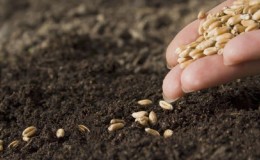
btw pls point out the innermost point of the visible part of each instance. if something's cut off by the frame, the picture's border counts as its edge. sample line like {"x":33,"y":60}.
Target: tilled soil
{"x":86,"y":62}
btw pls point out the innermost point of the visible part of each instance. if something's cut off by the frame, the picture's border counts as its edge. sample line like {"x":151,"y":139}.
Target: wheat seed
{"x":112,"y":121}
{"x":210,"y":51}
{"x":185,"y":64}
{"x":144,"y":102}
{"x":115,"y":126}
{"x":139,"y":114}
{"x":82,"y":128}
{"x":167,"y":133}
{"x":165,"y":105}
{"x":29,"y":131}
{"x":13,"y":144}
{"x":1,"y":145}
{"x":26,"y":139}
{"x":202,"y":15}
{"x":152,"y":132}
{"x":252,"y":27}
{"x":60,"y":133}
{"x":142,"y":120}
{"x":152,"y":118}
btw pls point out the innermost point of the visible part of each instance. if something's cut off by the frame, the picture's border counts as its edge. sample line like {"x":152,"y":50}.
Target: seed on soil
{"x":13,"y":144}
{"x":145,"y":102}
{"x":26,"y":139}
{"x":152,"y":132}
{"x":29,"y":131}
{"x":142,"y":120}
{"x":165,"y":105}
{"x":60,"y":133}
{"x":153,"y":118}
{"x":82,"y":128}
{"x":1,"y":142}
{"x":1,"y":145}
{"x":112,"y":121}
{"x":115,"y":126}
{"x":139,"y":114}
{"x":167,"y":133}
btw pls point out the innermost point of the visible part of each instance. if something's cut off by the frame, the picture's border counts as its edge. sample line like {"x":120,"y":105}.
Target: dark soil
{"x":86,"y":62}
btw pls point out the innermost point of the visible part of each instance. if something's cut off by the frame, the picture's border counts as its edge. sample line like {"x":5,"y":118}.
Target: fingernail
{"x":169,"y":100}
{"x":187,"y":91}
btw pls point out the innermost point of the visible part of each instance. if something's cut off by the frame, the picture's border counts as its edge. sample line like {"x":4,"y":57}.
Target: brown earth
{"x":86,"y":62}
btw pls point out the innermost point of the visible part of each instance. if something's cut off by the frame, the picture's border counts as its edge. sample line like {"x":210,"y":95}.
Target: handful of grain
{"x":217,"y":29}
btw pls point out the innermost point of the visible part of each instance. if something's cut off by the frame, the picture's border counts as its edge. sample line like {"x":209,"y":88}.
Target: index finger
{"x":187,"y":35}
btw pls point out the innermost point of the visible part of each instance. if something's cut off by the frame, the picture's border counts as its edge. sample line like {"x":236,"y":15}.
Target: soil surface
{"x":86,"y":62}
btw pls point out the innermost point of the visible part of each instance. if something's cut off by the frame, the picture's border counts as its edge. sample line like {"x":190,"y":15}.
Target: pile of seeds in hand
{"x":144,"y":119}
{"x":217,"y":29}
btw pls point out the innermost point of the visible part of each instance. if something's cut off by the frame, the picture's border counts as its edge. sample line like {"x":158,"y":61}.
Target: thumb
{"x":243,"y":48}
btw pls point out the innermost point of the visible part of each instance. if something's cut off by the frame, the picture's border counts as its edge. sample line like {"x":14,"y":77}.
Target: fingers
{"x":243,"y":48}
{"x":172,"y":89}
{"x":187,"y":35}
{"x":211,"y":71}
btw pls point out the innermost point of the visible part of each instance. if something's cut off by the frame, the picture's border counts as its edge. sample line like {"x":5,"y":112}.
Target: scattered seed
{"x":1,"y":145}
{"x":139,"y":114}
{"x":60,"y":133}
{"x":152,"y":132}
{"x":29,"y":131}
{"x":112,"y":121}
{"x":145,"y":102}
{"x":142,"y":120}
{"x":165,"y":105}
{"x":13,"y":144}
{"x":26,"y":139}
{"x":115,"y":126}
{"x":82,"y":128}
{"x":152,"y":118}
{"x":167,"y":133}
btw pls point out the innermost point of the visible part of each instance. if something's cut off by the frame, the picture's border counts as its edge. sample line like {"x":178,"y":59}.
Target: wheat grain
{"x":60,"y":133}
{"x":152,"y":132}
{"x":144,"y":102}
{"x":29,"y":131}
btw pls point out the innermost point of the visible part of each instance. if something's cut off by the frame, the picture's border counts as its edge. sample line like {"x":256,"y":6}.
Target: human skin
{"x":241,"y":58}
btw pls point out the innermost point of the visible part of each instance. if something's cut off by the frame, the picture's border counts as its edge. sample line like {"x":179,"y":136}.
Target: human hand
{"x":241,"y":58}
